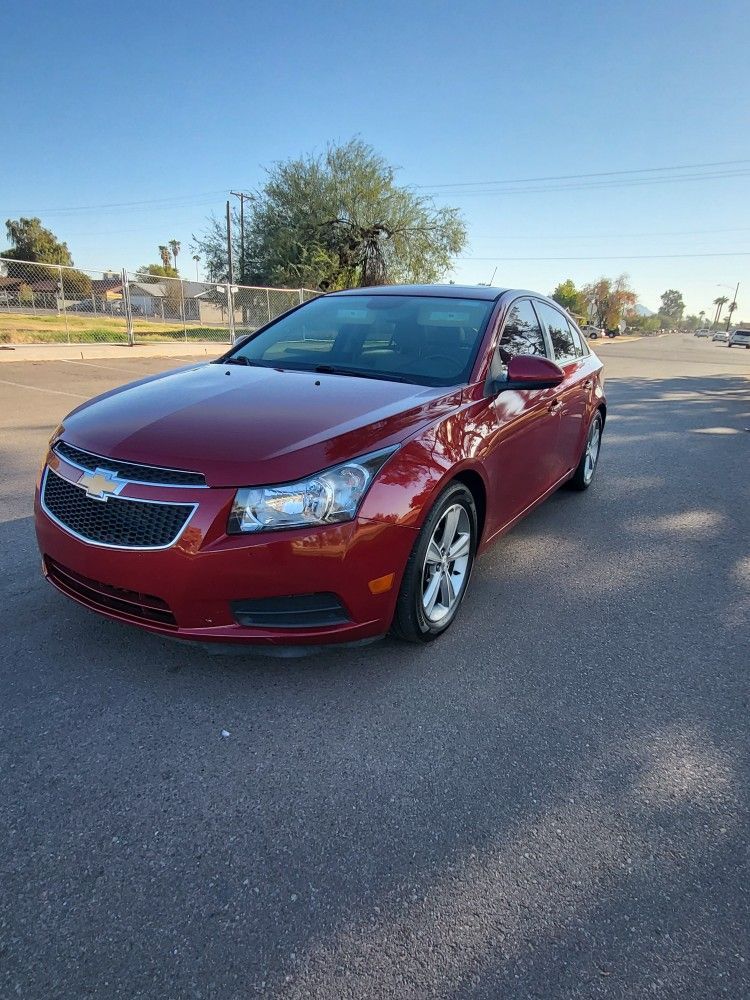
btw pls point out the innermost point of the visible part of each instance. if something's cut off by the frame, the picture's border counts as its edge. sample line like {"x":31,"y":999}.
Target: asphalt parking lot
{"x":551,"y":801}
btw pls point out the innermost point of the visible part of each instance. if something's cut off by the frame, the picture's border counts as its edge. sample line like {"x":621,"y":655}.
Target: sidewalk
{"x":81,"y":352}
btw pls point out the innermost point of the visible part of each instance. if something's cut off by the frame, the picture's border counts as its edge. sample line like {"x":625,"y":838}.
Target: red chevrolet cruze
{"x":332,"y":477}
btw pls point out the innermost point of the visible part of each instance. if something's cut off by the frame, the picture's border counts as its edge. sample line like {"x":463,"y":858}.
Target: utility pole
{"x":732,"y":303}
{"x":241,"y":195}
{"x":230,"y":260}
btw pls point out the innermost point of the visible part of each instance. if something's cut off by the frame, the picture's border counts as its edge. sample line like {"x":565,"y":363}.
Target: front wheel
{"x":584,"y":473}
{"x":439,"y":567}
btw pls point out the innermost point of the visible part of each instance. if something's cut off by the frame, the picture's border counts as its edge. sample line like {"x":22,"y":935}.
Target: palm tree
{"x":174,"y":246}
{"x":196,"y":258}
{"x":701,"y":315}
{"x":165,"y":255}
{"x":719,"y":303}
{"x":730,"y":310}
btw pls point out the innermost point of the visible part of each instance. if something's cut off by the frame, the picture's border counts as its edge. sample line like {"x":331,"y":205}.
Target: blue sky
{"x":171,"y":104}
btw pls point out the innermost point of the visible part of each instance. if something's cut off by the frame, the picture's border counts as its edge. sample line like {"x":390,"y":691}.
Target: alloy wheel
{"x":593,"y":445}
{"x":446,"y":564}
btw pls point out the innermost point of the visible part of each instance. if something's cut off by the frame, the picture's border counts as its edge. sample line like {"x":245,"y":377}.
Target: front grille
{"x":131,"y":603}
{"x":131,"y":524}
{"x":297,"y":611}
{"x":129,"y":470}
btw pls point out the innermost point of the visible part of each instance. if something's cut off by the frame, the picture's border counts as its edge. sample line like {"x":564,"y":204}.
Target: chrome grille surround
{"x":125,"y":523}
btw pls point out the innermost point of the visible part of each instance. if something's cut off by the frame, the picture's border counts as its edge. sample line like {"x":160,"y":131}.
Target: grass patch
{"x":21,"y":328}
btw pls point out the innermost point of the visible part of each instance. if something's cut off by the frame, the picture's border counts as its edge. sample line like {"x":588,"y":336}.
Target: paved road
{"x":551,"y":801}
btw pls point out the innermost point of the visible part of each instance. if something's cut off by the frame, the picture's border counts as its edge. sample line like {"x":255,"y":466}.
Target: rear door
{"x":574,"y":393}
{"x":521,"y":456}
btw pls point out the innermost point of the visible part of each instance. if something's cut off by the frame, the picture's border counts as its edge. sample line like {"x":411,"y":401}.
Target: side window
{"x":522,"y":333}
{"x":582,"y":348}
{"x":559,"y":333}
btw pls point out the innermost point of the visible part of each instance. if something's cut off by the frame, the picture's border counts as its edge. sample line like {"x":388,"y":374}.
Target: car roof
{"x":441,"y":291}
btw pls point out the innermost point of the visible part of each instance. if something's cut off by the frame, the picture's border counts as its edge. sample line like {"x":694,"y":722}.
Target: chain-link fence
{"x":50,"y":303}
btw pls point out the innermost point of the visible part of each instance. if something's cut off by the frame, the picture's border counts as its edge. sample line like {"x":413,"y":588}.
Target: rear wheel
{"x":439,"y":567}
{"x":584,"y":474}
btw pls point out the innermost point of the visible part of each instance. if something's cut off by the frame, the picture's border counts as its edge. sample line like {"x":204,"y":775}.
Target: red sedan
{"x":332,"y":477}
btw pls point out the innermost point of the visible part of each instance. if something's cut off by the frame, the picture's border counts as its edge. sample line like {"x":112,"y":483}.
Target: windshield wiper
{"x":359,"y":373}
{"x":240,"y":359}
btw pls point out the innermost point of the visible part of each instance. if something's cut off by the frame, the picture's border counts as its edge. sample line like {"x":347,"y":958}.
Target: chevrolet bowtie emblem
{"x":101,"y":484}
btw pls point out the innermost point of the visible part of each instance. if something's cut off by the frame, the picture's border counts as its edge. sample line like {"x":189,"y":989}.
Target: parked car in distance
{"x":721,"y":336}
{"x":331,"y":477}
{"x":593,"y":332}
{"x":739,"y":338}
{"x":703,"y":333}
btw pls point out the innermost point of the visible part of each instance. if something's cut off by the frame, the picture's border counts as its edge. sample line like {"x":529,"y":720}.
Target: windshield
{"x":421,"y":339}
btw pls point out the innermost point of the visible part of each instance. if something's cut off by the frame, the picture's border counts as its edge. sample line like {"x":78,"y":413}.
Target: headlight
{"x":328,"y":498}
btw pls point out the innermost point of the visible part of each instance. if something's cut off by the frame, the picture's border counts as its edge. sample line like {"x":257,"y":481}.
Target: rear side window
{"x":581,"y":346}
{"x":522,"y":333}
{"x":559,"y":333}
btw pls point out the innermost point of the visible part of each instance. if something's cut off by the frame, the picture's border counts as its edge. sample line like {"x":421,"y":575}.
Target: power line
{"x":647,"y":256}
{"x":175,"y":201}
{"x":605,"y":173}
{"x":602,"y":185}
{"x":613,"y":236}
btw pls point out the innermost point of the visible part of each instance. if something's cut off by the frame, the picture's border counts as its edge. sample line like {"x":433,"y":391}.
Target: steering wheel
{"x":443,"y":357}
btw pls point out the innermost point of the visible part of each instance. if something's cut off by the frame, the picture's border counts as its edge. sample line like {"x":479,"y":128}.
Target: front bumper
{"x":197,"y":579}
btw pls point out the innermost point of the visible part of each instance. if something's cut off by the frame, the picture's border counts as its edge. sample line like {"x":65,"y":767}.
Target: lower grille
{"x":120,"y":523}
{"x":298,"y":611}
{"x":129,"y":603}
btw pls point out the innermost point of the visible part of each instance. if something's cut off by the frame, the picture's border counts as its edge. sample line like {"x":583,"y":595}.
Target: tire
{"x":584,"y":474}
{"x":427,"y":580}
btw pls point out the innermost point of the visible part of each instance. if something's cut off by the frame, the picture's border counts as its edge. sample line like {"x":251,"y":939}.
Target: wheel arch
{"x":476,"y":486}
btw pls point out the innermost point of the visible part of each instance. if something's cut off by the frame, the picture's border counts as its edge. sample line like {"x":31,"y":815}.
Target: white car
{"x":702,"y":333}
{"x":721,"y":336}
{"x":739,"y":338}
{"x":593,"y":332}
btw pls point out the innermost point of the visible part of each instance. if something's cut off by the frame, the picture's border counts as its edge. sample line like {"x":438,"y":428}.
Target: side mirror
{"x":529,"y":371}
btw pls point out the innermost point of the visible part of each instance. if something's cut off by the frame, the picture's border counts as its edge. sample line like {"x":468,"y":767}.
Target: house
{"x":107,"y":289}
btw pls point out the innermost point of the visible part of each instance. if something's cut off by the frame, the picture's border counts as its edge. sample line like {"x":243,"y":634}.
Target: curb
{"x":82,"y":352}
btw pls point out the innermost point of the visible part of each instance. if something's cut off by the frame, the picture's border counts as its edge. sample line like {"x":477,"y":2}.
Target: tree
{"x":338,"y":220}
{"x":571,"y":298}
{"x":166,"y":256}
{"x":174,"y":246}
{"x":719,"y":303}
{"x":609,"y":301}
{"x":731,"y":308}
{"x":672,"y":305}
{"x":156,"y":271}
{"x":645,"y":325}
{"x":31,"y":241}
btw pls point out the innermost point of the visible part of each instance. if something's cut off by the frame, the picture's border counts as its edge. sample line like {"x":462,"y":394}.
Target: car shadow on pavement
{"x":549,"y":801}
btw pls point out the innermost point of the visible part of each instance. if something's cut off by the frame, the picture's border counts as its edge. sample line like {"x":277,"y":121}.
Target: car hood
{"x":243,"y":426}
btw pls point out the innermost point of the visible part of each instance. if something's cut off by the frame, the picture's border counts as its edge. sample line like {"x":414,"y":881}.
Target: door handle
{"x":554,"y":406}
{"x":588,"y":383}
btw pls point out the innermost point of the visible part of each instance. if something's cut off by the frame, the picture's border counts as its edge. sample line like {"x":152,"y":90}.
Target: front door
{"x":521,"y":458}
